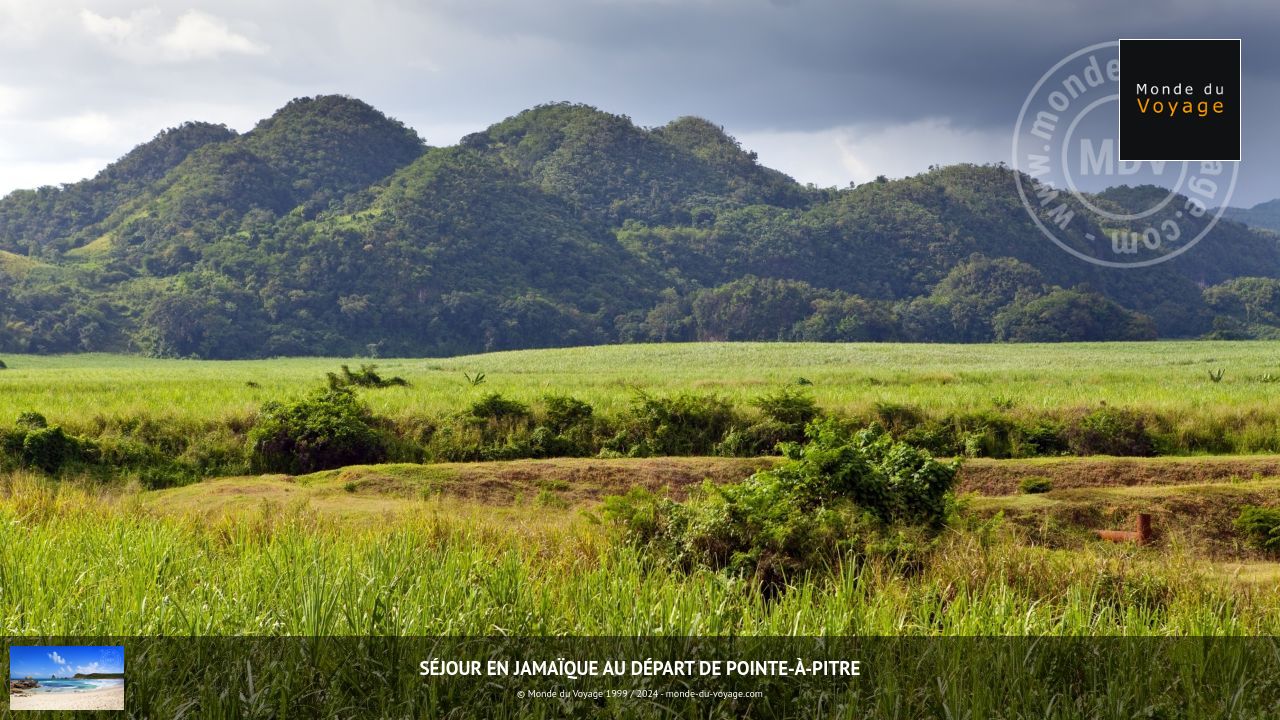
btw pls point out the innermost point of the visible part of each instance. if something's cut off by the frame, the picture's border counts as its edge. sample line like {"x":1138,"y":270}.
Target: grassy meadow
{"x":987,"y":623}
{"x":1169,"y":377}
{"x":520,"y":548}
{"x":435,"y":566}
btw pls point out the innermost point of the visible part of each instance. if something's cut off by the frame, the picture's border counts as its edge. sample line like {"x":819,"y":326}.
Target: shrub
{"x":984,"y":434}
{"x":495,"y":407}
{"x":492,"y":428}
{"x":11,"y":446}
{"x":785,"y":415}
{"x":898,"y":417}
{"x":760,"y":438}
{"x":1109,"y":431}
{"x":549,"y":499}
{"x":1035,"y":484}
{"x":328,"y":429}
{"x":565,"y":413}
{"x":788,"y":406}
{"x":3,"y":366}
{"x":366,"y":377}
{"x":49,"y":448}
{"x":544,"y":442}
{"x":936,"y":436}
{"x":1260,"y":527}
{"x":1043,"y":436}
{"x":32,"y":420}
{"x":840,"y":492}
{"x":684,"y":424}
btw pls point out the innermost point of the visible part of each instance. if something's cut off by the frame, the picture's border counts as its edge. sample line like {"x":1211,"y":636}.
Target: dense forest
{"x":331,"y":229}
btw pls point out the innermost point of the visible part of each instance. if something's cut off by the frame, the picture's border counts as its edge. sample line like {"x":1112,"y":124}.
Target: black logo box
{"x":1180,"y":62}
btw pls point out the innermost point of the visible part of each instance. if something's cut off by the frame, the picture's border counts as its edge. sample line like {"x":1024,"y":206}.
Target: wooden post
{"x":1142,"y":535}
{"x":1144,"y":528}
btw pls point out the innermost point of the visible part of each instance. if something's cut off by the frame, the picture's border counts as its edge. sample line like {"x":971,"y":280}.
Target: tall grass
{"x":75,"y":562}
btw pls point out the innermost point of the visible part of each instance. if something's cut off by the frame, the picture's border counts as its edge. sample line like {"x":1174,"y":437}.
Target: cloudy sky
{"x":829,"y":91}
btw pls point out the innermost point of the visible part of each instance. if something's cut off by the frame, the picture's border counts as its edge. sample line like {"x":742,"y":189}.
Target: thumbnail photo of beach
{"x":66,"y":677}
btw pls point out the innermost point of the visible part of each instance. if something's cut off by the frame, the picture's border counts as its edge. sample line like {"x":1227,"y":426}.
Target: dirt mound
{"x":1001,"y":477}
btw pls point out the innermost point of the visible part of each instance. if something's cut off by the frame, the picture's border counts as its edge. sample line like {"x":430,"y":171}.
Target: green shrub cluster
{"x":33,"y":443}
{"x":784,"y":416}
{"x":366,"y":377}
{"x":1110,"y":431}
{"x":1260,"y":526}
{"x":1004,"y":434}
{"x":155,"y":454}
{"x":498,"y":428}
{"x":321,"y":432}
{"x":841,"y":492}
{"x":684,"y":424}
{"x":327,"y":429}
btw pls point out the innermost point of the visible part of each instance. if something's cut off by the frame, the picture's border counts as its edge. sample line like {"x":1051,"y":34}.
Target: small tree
{"x":328,"y":429}
{"x":836,"y":494}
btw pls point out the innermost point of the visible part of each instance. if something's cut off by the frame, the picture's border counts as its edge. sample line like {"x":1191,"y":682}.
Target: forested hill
{"x":331,"y":229}
{"x":1263,"y":215}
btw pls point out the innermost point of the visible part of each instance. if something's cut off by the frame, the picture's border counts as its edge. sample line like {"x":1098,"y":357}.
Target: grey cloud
{"x":755,"y":66}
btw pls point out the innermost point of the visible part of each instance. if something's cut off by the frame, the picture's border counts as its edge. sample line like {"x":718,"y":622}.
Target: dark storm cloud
{"x":88,"y":79}
{"x":810,"y":65}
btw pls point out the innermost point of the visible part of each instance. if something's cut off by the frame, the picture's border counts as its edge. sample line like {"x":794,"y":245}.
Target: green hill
{"x":31,"y":220}
{"x":1263,"y":215}
{"x":330,"y":228}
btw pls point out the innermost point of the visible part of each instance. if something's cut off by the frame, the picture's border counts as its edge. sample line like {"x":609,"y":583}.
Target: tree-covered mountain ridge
{"x":331,"y":229}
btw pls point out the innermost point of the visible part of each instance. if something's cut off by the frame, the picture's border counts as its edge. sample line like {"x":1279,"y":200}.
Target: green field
{"x":250,"y":557}
{"x":1171,"y":377}
{"x":520,"y":547}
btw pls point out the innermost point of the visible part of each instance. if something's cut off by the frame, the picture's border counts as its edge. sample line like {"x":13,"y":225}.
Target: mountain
{"x":31,"y":220}
{"x":1263,"y":215}
{"x":330,"y":228}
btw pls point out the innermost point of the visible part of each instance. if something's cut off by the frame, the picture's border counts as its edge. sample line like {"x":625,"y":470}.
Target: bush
{"x":1035,"y":484}
{"x":898,"y":417}
{"x":840,"y":492}
{"x":761,"y":438}
{"x":1109,"y":431}
{"x":1043,"y":436}
{"x":1260,"y":527}
{"x":32,"y":420}
{"x":565,"y":413}
{"x":328,"y":429}
{"x":33,"y":443}
{"x":366,"y":377}
{"x":985,"y":434}
{"x":50,"y":448}
{"x":495,"y":407}
{"x":11,"y":446}
{"x":786,"y":413}
{"x":789,"y":407}
{"x":684,"y":424}
{"x":3,"y":366}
